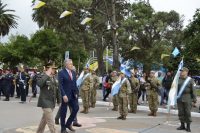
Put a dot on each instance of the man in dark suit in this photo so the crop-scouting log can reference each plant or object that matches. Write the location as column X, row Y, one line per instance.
column 69, row 91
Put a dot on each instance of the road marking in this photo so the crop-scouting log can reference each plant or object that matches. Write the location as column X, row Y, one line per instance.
column 107, row 130
column 134, row 117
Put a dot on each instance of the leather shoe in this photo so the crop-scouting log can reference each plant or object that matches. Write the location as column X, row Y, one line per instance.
column 64, row 131
column 71, row 129
column 76, row 124
column 57, row 121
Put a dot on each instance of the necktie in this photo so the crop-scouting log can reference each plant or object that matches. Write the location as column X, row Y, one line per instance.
column 70, row 74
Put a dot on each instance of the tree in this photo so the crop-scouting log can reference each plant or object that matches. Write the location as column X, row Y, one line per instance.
column 7, row 20
column 153, row 32
column 16, row 51
column 191, row 43
column 45, row 45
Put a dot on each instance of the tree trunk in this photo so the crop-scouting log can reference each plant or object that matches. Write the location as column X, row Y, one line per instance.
column 114, row 38
column 100, row 49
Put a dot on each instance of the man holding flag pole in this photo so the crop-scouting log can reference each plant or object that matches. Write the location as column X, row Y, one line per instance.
column 122, row 88
column 182, row 92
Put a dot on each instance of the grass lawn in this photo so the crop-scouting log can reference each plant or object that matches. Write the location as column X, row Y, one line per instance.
column 198, row 92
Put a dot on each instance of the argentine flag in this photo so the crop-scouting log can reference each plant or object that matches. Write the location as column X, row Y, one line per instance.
column 174, row 87
column 175, row 52
column 115, row 87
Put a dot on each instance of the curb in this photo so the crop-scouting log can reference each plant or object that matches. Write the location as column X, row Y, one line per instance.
column 145, row 108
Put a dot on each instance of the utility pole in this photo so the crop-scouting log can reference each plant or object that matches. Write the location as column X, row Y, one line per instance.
column 114, row 37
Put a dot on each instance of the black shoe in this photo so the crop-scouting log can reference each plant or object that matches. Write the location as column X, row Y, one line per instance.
column 76, row 124
column 6, row 99
column 22, row 102
column 64, row 131
column 182, row 127
column 123, row 118
column 188, row 127
column 17, row 97
column 71, row 129
column 120, row 117
column 57, row 121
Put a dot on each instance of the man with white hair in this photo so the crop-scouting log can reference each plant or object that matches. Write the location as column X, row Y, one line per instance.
column 69, row 92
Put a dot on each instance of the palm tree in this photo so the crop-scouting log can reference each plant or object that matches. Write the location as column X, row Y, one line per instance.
column 7, row 20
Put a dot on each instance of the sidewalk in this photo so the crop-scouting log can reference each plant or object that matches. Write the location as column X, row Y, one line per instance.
column 144, row 106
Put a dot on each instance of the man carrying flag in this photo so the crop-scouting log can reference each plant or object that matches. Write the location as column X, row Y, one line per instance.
column 123, row 92
column 185, row 97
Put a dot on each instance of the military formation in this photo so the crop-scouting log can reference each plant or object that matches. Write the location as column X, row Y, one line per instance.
column 18, row 81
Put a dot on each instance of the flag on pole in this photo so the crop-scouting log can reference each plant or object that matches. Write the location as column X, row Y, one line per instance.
column 65, row 13
column 79, row 80
column 164, row 55
column 38, row 4
column 175, row 52
column 116, row 87
column 174, row 87
column 94, row 66
column 134, row 48
column 109, row 60
column 86, row 20
column 198, row 59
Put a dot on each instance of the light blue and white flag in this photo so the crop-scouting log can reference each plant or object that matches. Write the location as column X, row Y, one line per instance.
column 80, row 79
column 116, row 86
column 109, row 60
column 174, row 87
column 175, row 52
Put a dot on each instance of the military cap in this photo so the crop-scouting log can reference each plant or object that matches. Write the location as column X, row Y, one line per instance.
column 50, row 64
column 185, row 69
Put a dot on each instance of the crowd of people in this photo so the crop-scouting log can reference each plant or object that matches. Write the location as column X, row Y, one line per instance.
column 61, row 88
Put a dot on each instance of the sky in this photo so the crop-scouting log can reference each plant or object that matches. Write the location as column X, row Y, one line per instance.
column 27, row 27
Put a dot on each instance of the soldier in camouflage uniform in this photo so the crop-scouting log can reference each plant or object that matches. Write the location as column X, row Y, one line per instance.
column 152, row 92
column 85, row 91
column 123, row 97
column 185, row 100
column 93, row 93
column 115, row 97
column 134, row 82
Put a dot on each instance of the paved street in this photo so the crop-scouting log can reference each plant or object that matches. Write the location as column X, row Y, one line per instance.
column 24, row 118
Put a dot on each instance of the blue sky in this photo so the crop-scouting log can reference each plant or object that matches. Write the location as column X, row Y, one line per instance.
column 27, row 27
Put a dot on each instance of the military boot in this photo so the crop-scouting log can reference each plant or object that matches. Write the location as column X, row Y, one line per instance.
column 124, row 118
column 132, row 111
column 188, row 127
column 150, row 114
column 120, row 117
column 115, row 108
column 154, row 114
column 93, row 105
column 84, row 110
column 182, row 127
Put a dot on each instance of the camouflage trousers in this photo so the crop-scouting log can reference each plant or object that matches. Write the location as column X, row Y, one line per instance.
column 153, row 100
column 115, row 100
column 85, row 96
column 93, row 94
column 133, row 102
column 123, row 106
column 184, row 111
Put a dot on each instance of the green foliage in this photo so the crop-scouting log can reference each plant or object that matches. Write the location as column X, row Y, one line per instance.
column 154, row 32
column 45, row 45
column 16, row 51
column 7, row 20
